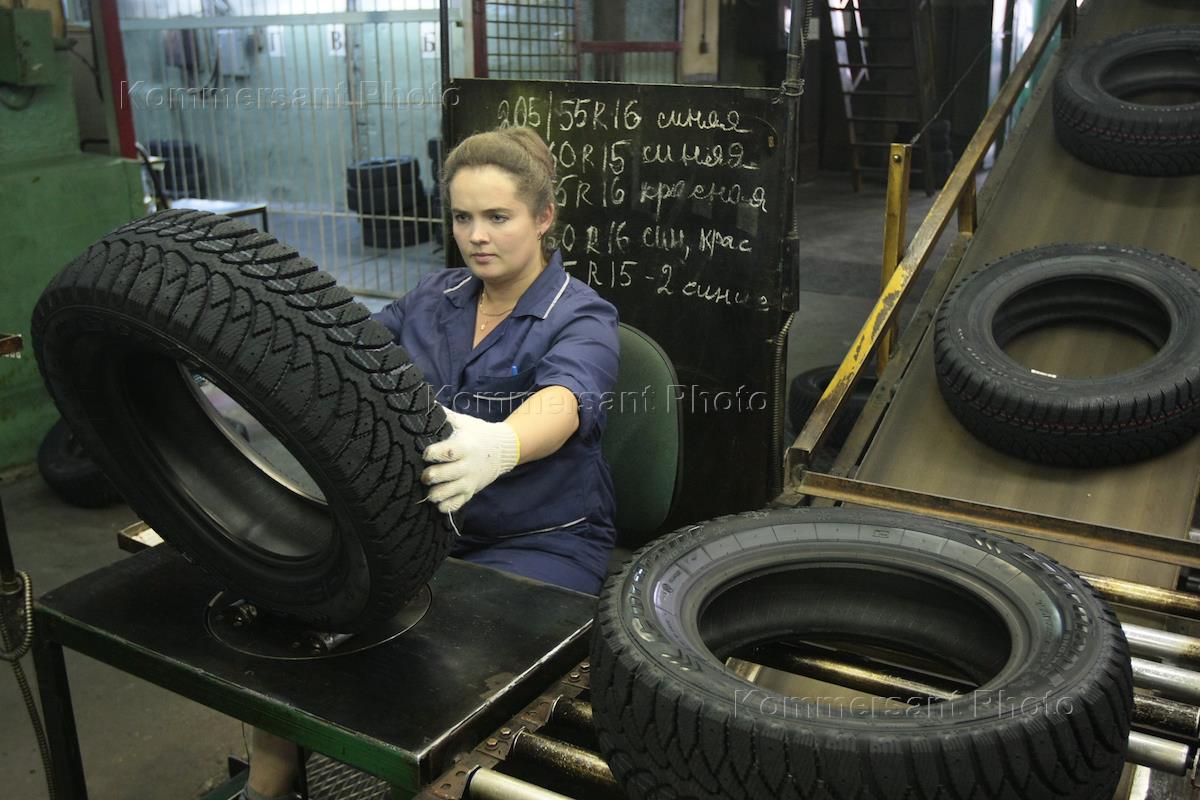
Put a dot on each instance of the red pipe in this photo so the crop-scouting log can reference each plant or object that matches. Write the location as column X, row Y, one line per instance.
column 117, row 77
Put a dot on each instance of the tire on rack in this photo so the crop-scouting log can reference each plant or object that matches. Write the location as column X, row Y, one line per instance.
column 1050, row 718
column 1083, row 422
column 1102, row 113
column 119, row 334
column 73, row 476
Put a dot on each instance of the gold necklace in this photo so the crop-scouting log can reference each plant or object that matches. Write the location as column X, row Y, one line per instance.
column 483, row 313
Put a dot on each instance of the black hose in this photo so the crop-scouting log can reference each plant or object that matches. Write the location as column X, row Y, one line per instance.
column 14, row 655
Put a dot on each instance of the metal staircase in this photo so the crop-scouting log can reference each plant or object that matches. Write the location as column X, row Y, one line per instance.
column 884, row 58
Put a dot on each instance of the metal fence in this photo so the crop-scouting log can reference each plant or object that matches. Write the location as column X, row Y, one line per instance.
column 533, row 39
column 329, row 111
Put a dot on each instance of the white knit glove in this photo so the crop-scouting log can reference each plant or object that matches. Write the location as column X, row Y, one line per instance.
column 476, row 454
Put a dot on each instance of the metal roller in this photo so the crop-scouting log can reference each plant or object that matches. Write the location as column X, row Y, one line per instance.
column 573, row 712
column 1150, row 751
column 1173, row 682
column 1169, row 716
column 566, row 759
column 487, row 784
column 1139, row 595
column 1154, row 643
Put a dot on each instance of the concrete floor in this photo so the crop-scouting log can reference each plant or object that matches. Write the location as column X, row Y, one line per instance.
column 141, row 742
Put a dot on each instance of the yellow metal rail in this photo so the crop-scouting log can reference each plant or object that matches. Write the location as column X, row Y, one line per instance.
column 958, row 195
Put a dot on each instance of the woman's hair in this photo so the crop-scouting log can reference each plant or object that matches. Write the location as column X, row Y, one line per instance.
column 518, row 151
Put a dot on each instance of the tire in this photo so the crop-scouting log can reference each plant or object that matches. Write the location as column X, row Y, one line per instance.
column 1097, row 117
column 388, row 199
column 375, row 173
column 807, row 388
column 68, row 471
column 1050, row 719
column 1082, row 422
column 117, row 334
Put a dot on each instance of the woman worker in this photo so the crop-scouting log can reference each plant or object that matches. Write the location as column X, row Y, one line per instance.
column 521, row 356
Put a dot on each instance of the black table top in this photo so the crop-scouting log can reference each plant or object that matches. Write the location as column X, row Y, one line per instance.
column 489, row 644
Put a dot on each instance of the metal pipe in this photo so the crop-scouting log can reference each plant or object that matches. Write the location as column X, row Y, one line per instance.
column 1168, row 716
column 859, row 677
column 1154, row 643
column 1150, row 751
column 1173, row 682
column 568, row 759
column 572, row 711
column 1139, row 595
column 487, row 784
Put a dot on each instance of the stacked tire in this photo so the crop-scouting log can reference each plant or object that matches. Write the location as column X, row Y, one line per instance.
column 381, row 188
column 185, row 173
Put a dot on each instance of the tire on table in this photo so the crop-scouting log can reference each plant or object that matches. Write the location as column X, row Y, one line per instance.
column 119, row 335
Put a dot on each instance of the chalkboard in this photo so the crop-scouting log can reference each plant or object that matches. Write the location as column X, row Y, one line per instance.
column 673, row 204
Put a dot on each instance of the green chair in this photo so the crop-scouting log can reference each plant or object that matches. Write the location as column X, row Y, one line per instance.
column 643, row 441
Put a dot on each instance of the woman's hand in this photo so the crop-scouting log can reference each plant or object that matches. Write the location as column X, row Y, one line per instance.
column 476, row 454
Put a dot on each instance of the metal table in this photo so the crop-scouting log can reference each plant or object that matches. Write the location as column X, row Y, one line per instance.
column 400, row 711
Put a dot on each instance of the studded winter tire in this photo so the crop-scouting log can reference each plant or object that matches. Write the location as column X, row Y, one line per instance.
column 1049, row 717
column 120, row 334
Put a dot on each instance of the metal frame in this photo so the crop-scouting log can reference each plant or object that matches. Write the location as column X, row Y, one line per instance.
column 957, row 197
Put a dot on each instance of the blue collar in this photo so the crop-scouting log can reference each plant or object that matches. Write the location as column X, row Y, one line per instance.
column 538, row 300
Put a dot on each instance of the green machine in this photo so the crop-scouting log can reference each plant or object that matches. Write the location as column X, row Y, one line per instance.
column 54, row 202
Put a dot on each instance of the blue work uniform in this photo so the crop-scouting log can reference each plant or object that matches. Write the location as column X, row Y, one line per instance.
column 550, row 519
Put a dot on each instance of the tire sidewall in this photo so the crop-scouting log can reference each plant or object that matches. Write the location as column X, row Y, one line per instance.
column 1065, row 621
column 1078, row 84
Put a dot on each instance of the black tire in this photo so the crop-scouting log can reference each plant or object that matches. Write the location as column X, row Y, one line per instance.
column 1084, row 422
column 394, row 235
column 117, row 333
column 673, row 722
column 375, row 173
column 1096, row 113
column 73, row 476
column 410, row 198
column 806, row 390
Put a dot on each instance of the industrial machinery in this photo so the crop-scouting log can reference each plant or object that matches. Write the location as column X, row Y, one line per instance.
column 489, row 703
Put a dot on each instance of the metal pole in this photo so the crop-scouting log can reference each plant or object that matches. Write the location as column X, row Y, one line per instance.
column 1169, row 716
column 1172, row 682
column 895, row 225
column 1139, row 595
column 564, row 758
column 573, row 712
column 1161, row 644
column 1150, row 751
column 487, row 784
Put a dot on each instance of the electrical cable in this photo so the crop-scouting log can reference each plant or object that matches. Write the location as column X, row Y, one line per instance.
column 14, row 655
column 987, row 48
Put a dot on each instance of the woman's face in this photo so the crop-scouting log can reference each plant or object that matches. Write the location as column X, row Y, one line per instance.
column 495, row 231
